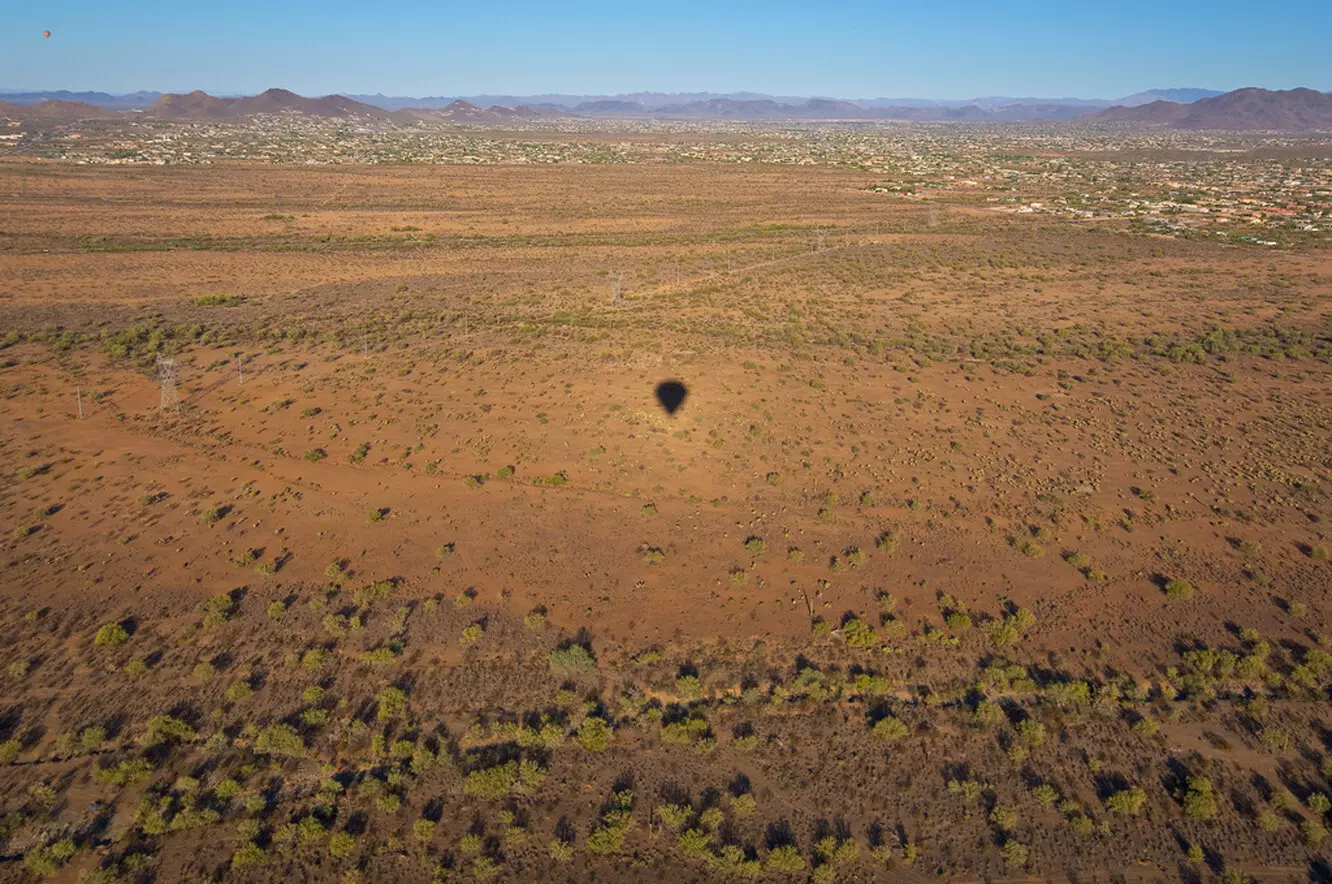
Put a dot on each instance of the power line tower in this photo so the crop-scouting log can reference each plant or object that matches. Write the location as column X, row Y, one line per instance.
column 934, row 215
column 617, row 288
column 166, row 373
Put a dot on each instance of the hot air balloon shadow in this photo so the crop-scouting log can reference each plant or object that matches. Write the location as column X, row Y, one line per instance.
column 671, row 395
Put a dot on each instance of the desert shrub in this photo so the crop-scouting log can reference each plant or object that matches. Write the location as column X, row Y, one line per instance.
column 686, row 731
column 695, row 843
column 594, row 734
column 341, row 845
column 92, row 738
column 167, row 729
column 499, row 781
column 744, row 805
column 890, row 729
column 1274, row 738
column 126, row 773
column 784, row 858
column 1031, row 731
column 1180, row 590
column 1029, row 548
column 561, row 851
column 392, row 703
column 859, row 634
column 472, row 634
column 674, row 816
column 218, row 300
column 217, row 610
column 280, row 739
column 873, row 687
column 1199, row 800
column 381, row 656
column 988, row 714
column 247, row 855
column 755, row 546
column 1004, row 818
column 239, row 690
column 1015, row 854
column 111, row 635
column 1045, row 795
column 1127, row 802
column 689, row 687
column 570, row 660
column 608, row 838
column 653, row 556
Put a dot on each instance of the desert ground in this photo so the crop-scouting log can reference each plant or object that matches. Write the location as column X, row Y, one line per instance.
column 984, row 546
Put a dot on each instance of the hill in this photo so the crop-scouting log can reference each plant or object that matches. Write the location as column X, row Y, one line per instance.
column 201, row 105
column 1181, row 96
column 1156, row 112
column 50, row 110
column 104, row 100
column 460, row 111
column 1290, row 110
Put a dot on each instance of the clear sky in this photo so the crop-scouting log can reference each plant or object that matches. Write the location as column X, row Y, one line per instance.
column 840, row 48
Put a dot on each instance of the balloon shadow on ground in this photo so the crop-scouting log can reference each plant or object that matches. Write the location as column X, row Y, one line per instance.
column 671, row 395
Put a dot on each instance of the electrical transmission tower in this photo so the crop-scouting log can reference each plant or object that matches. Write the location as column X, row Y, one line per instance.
column 934, row 215
column 166, row 372
column 617, row 288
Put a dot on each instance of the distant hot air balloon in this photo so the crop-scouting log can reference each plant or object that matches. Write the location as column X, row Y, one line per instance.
column 46, row 34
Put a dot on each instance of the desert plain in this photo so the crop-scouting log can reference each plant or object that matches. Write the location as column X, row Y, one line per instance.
column 345, row 537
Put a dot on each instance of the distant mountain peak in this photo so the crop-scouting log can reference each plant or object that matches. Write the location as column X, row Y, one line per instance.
column 1250, row 108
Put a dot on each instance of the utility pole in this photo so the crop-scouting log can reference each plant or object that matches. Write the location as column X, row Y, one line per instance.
column 78, row 394
column 166, row 371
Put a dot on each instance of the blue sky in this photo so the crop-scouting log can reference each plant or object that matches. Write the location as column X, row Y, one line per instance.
column 846, row 49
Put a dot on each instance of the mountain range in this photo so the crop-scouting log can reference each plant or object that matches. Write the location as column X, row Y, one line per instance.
column 1243, row 109
column 652, row 103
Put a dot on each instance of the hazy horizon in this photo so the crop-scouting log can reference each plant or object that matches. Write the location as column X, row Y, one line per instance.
column 859, row 50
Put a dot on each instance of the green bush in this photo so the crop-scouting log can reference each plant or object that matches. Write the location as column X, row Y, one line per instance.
column 1127, row 802
column 570, row 660
column 1180, row 590
column 280, row 739
column 890, row 729
column 111, row 635
column 594, row 734
column 341, row 845
column 785, row 858
column 1199, row 800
